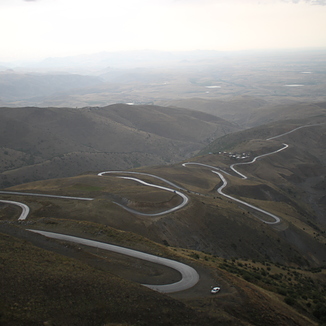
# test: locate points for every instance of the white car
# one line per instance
(215, 289)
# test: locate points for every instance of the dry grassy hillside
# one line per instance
(259, 267)
(42, 143)
(270, 274)
(299, 171)
(50, 282)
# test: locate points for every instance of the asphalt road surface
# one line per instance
(43, 195)
(285, 146)
(25, 208)
(220, 191)
(215, 170)
(189, 276)
(185, 199)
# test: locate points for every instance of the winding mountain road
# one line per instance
(185, 199)
(145, 174)
(285, 146)
(220, 191)
(189, 276)
(25, 208)
(216, 170)
(275, 218)
(295, 129)
(206, 166)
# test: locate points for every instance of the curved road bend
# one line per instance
(142, 173)
(295, 129)
(205, 165)
(185, 199)
(285, 146)
(220, 191)
(189, 276)
(25, 208)
(279, 150)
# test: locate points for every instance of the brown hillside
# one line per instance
(267, 273)
(41, 143)
(209, 224)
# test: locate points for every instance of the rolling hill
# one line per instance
(42, 143)
(269, 273)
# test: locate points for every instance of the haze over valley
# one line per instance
(131, 77)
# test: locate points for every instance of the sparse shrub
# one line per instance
(166, 243)
(290, 301)
(248, 278)
(320, 312)
(281, 291)
(257, 276)
(194, 255)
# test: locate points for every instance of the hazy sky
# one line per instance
(42, 28)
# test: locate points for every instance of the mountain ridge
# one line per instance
(39, 142)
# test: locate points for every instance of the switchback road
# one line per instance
(285, 146)
(220, 191)
(25, 208)
(232, 167)
(189, 276)
(185, 199)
